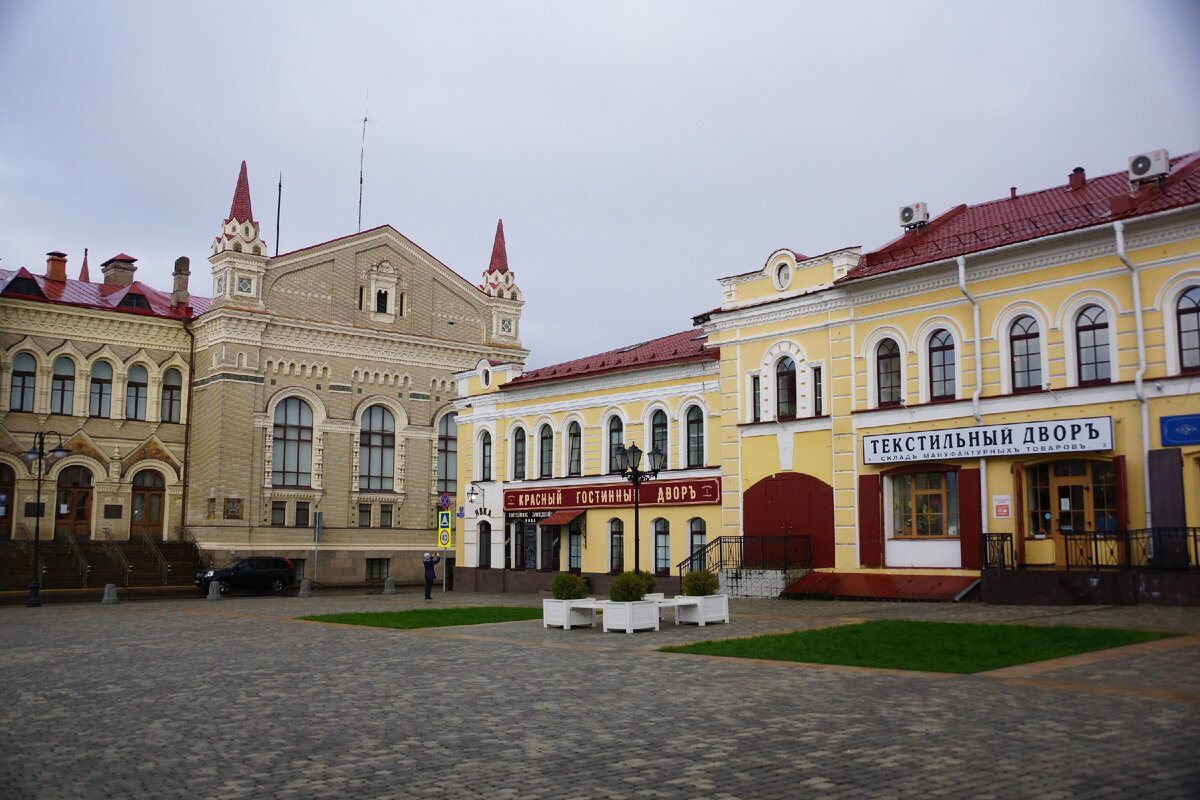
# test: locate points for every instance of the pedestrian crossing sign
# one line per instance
(445, 539)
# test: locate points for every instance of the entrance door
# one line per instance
(73, 512)
(8, 484)
(147, 510)
(792, 504)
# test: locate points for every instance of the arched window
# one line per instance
(62, 387)
(662, 547)
(574, 449)
(695, 437)
(485, 456)
(376, 449)
(658, 435)
(1187, 312)
(24, 376)
(616, 546)
(616, 440)
(546, 452)
(1026, 344)
(135, 392)
(1091, 345)
(171, 407)
(381, 301)
(291, 459)
(100, 397)
(699, 537)
(447, 455)
(785, 388)
(519, 455)
(941, 365)
(887, 373)
(485, 545)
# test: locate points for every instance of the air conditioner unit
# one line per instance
(914, 214)
(1148, 166)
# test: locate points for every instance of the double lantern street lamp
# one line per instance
(629, 461)
(37, 453)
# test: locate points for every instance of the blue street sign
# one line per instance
(1180, 429)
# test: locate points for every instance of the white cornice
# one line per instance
(530, 410)
(93, 325)
(616, 380)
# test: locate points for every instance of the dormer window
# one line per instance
(134, 301)
(23, 286)
(381, 302)
(783, 276)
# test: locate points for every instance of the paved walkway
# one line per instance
(237, 699)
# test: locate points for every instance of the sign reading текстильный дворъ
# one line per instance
(1016, 438)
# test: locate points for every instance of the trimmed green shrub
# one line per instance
(700, 583)
(568, 586)
(648, 581)
(627, 587)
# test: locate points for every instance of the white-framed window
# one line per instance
(518, 454)
(23, 382)
(62, 387)
(377, 449)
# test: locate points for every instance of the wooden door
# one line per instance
(792, 504)
(8, 485)
(73, 511)
(146, 514)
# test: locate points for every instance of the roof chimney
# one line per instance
(1012, 193)
(56, 266)
(1077, 178)
(118, 270)
(179, 294)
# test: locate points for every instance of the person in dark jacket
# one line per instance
(430, 575)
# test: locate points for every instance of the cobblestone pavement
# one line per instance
(237, 699)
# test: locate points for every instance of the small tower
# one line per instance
(84, 277)
(500, 284)
(179, 293)
(239, 254)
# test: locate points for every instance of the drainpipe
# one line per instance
(1139, 376)
(187, 431)
(984, 519)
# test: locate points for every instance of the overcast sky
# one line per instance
(636, 151)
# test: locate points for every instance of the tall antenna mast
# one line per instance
(278, 205)
(361, 153)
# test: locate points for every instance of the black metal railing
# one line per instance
(148, 544)
(201, 554)
(1138, 549)
(998, 551)
(116, 554)
(69, 543)
(750, 552)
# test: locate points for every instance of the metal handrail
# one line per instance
(750, 552)
(1137, 549)
(202, 554)
(115, 553)
(71, 545)
(998, 551)
(164, 565)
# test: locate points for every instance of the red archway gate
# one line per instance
(792, 504)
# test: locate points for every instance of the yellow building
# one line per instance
(1005, 384)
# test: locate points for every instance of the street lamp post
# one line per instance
(37, 453)
(630, 460)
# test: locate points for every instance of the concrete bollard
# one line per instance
(214, 590)
(110, 594)
(305, 588)
(389, 585)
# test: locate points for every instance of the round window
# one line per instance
(486, 378)
(783, 276)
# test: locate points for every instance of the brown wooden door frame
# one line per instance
(143, 499)
(78, 500)
(8, 491)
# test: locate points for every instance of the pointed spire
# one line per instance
(83, 271)
(240, 210)
(499, 255)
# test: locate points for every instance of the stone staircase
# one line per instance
(61, 568)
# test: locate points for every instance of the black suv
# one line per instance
(260, 573)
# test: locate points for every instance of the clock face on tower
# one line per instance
(244, 284)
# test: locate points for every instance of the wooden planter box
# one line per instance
(566, 614)
(710, 608)
(630, 617)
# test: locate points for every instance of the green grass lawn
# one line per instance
(431, 617)
(925, 646)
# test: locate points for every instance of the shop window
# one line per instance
(925, 504)
(62, 387)
(698, 536)
(1187, 312)
(575, 546)
(1091, 346)
(485, 545)
(24, 377)
(291, 458)
(574, 449)
(785, 388)
(135, 393)
(695, 437)
(551, 547)
(616, 441)
(887, 373)
(519, 455)
(376, 449)
(1071, 496)
(377, 568)
(662, 547)
(1026, 345)
(658, 435)
(941, 365)
(100, 397)
(616, 546)
(546, 448)
(447, 455)
(171, 407)
(485, 456)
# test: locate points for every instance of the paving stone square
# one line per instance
(238, 698)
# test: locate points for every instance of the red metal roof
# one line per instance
(499, 262)
(676, 348)
(103, 296)
(969, 229)
(240, 208)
